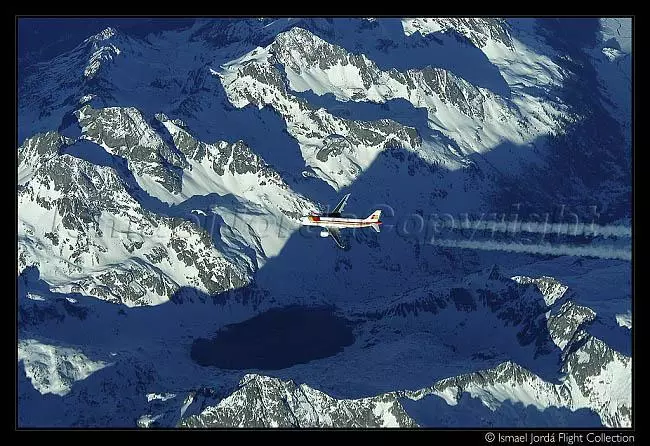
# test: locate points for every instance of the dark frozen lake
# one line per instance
(276, 339)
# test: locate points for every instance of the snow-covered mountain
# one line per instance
(588, 378)
(164, 278)
(80, 227)
(268, 402)
(338, 150)
(474, 117)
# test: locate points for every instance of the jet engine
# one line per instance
(324, 233)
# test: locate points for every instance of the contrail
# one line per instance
(601, 252)
(571, 229)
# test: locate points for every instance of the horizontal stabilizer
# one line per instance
(375, 226)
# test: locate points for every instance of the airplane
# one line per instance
(332, 223)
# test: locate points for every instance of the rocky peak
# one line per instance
(104, 34)
(551, 289)
(480, 31)
(262, 401)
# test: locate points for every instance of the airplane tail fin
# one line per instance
(374, 216)
(375, 226)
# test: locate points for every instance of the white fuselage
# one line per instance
(336, 222)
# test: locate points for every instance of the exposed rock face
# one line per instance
(479, 31)
(262, 401)
(124, 132)
(99, 241)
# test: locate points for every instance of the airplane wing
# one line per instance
(339, 207)
(336, 235)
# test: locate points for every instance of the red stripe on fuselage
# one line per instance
(347, 223)
(341, 222)
(345, 220)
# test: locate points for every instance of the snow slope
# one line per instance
(83, 231)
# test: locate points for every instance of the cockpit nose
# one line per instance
(310, 219)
